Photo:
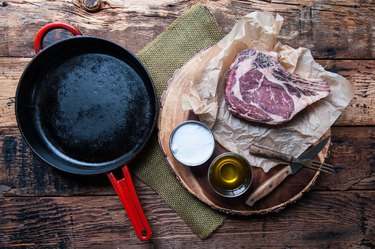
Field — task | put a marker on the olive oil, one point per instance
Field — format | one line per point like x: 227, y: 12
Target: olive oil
x: 230, y: 174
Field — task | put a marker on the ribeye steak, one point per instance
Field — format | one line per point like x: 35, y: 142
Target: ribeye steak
x: 259, y: 89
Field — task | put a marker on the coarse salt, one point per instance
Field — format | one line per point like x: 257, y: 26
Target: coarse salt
x: 192, y: 143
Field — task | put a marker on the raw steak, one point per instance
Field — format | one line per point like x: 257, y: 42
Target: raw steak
x: 259, y: 89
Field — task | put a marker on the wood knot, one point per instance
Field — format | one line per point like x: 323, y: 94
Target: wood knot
x: 4, y: 3
x: 92, y: 5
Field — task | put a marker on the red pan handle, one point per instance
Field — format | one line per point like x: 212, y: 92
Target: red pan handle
x: 38, y: 41
x: 128, y: 197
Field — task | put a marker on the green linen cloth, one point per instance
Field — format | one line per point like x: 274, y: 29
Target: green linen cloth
x: 187, y: 35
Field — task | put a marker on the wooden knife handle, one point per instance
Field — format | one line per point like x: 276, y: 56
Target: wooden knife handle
x: 266, y: 187
x: 269, y: 153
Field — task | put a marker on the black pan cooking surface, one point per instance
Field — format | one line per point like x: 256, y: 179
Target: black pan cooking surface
x: 90, y: 105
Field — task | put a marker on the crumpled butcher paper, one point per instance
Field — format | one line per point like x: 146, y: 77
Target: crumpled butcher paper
x: 259, y: 30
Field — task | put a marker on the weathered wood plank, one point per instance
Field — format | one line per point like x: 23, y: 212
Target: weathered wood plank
x: 10, y: 73
x: 361, y: 111
x: 336, y: 220
x: 361, y: 73
x: 43, y: 208
x: 331, y: 29
x: 130, y: 23
x: 353, y: 151
x: 26, y: 174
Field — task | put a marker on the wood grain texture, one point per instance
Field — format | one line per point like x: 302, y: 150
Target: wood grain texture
x: 194, y: 179
x: 44, y: 208
x: 353, y: 152
x: 361, y: 73
x: 352, y: 148
x: 331, y: 29
x: 336, y: 220
x: 132, y: 24
x: 269, y: 153
x: 361, y: 110
x: 268, y: 186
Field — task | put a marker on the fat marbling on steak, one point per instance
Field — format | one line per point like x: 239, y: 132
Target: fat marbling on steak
x: 259, y: 89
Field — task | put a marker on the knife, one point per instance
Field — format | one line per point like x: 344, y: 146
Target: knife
x: 270, y: 184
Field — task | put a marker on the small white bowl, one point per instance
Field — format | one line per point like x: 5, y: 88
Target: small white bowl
x: 192, y: 143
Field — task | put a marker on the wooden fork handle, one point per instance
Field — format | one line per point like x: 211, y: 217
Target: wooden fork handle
x: 269, y: 153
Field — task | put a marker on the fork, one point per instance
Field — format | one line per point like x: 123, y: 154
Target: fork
x: 311, y: 164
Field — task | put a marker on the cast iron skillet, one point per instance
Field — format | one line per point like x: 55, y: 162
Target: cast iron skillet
x: 88, y: 106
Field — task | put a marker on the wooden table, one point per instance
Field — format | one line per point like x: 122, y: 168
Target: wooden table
x: 41, y: 207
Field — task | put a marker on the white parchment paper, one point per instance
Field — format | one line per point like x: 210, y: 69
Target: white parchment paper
x: 259, y: 30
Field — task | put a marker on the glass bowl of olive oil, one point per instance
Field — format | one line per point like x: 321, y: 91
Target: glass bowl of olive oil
x: 230, y: 174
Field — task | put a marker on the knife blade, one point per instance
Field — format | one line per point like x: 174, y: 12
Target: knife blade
x: 270, y: 184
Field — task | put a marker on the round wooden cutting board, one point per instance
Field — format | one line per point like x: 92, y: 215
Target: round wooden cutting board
x: 194, y: 179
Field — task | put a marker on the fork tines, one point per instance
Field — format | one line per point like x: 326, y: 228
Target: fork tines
x: 325, y: 167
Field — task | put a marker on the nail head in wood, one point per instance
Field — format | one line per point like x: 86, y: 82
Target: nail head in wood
x: 92, y: 5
